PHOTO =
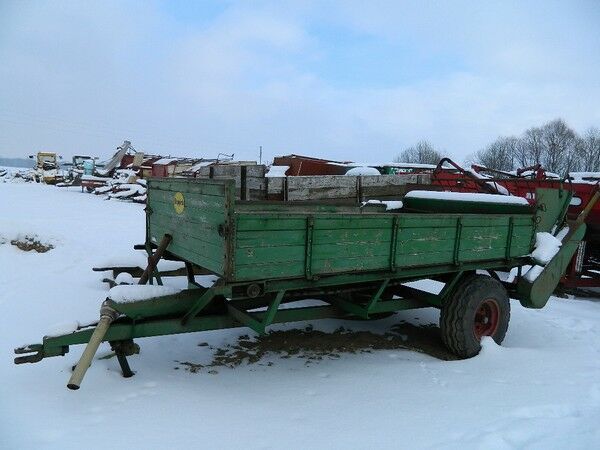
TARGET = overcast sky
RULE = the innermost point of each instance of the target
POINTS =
(343, 80)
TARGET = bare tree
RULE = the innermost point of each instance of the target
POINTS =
(530, 148)
(421, 153)
(559, 143)
(500, 154)
(588, 150)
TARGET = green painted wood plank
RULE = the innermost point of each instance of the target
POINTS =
(276, 238)
(352, 235)
(265, 271)
(216, 188)
(345, 265)
(423, 246)
(257, 255)
(319, 251)
(197, 201)
(205, 260)
(185, 232)
(338, 265)
(427, 243)
(351, 250)
(424, 259)
(205, 232)
(342, 222)
(193, 215)
(266, 223)
(214, 249)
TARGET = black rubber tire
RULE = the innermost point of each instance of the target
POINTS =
(457, 316)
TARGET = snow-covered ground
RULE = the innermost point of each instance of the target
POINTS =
(540, 390)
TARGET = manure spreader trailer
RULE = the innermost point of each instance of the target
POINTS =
(356, 257)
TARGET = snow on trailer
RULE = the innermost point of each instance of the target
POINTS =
(356, 258)
(468, 197)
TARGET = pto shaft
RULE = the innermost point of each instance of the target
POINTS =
(107, 316)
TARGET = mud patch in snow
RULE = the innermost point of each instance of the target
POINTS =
(314, 346)
(31, 243)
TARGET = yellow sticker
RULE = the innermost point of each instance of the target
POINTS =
(178, 202)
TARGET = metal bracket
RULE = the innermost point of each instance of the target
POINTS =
(200, 304)
(36, 350)
(509, 238)
(310, 227)
(394, 243)
(252, 321)
(153, 261)
(457, 241)
(449, 287)
(360, 310)
(377, 295)
(433, 299)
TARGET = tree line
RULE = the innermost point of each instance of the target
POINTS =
(554, 145)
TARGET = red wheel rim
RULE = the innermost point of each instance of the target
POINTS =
(486, 318)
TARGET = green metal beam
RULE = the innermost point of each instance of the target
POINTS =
(272, 310)
(349, 307)
(250, 319)
(245, 318)
(125, 328)
(427, 297)
(398, 305)
(200, 304)
(348, 279)
(377, 295)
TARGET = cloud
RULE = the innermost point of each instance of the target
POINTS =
(83, 77)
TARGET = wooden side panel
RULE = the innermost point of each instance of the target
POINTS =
(195, 224)
(303, 188)
(272, 245)
(315, 188)
(275, 188)
(250, 182)
(481, 238)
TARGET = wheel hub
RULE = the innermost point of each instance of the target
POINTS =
(486, 318)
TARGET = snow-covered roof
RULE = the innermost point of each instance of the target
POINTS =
(200, 165)
(165, 161)
(277, 171)
(387, 164)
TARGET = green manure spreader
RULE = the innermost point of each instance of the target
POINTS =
(356, 257)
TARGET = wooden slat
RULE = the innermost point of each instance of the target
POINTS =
(191, 200)
(280, 238)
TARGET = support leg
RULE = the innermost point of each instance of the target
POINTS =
(125, 369)
(189, 269)
(153, 260)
